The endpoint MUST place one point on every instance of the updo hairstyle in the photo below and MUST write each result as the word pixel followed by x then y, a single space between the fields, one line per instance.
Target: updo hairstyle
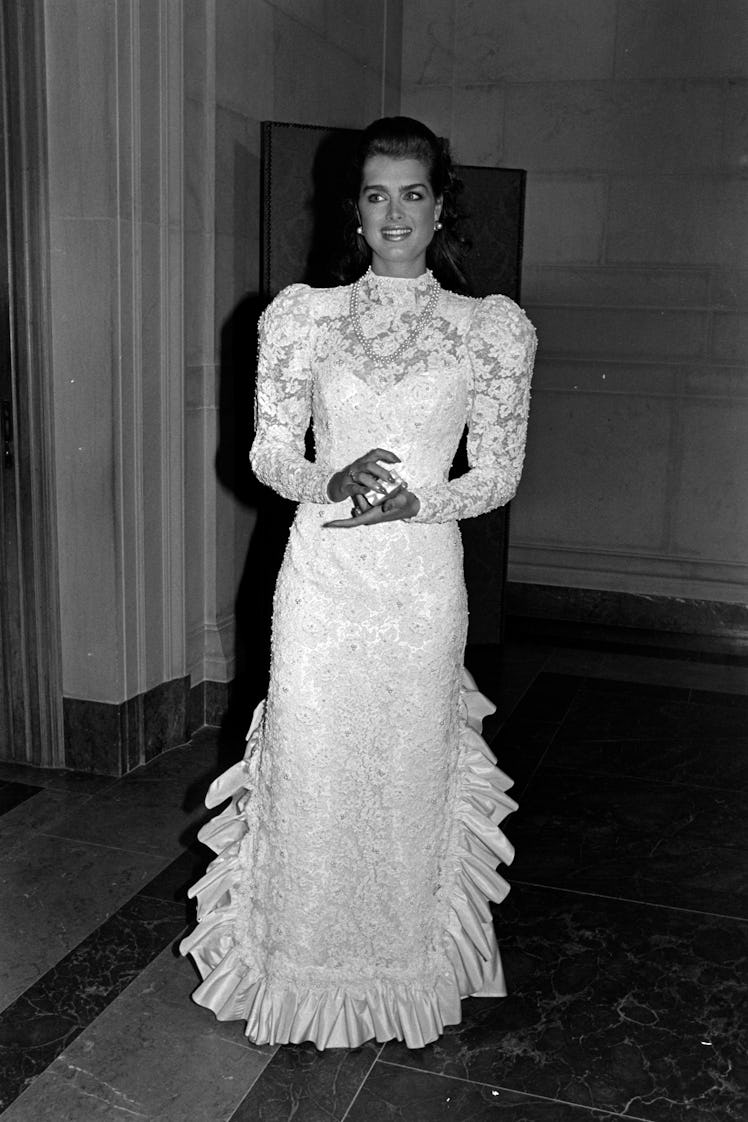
pixel 403 138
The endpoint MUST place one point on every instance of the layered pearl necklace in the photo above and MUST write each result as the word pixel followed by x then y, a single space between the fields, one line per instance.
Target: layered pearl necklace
pixel 393 356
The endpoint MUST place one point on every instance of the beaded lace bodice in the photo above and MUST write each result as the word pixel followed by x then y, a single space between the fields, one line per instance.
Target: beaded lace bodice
pixel 471 364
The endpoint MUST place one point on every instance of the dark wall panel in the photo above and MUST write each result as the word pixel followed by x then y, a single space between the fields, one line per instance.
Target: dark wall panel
pixel 303 168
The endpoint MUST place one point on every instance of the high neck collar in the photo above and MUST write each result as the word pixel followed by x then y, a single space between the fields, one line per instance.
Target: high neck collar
pixel 396 291
pixel 376 280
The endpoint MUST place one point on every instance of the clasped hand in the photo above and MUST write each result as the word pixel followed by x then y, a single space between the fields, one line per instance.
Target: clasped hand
pixel 367 474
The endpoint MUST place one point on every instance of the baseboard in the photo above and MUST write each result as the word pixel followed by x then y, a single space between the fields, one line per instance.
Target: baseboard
pixel 110 739
pixel 629 610
pixel 209 702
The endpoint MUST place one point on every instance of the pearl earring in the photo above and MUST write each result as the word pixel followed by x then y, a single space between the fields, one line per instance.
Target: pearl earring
pixel 359 229
pixel 437 225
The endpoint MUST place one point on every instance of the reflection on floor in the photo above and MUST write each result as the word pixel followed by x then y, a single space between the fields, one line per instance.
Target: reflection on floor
pixel 625 937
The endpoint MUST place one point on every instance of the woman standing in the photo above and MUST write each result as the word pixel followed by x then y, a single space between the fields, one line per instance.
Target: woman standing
pixel 356 860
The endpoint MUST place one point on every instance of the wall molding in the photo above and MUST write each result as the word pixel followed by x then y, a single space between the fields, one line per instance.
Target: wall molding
pixel 215 641
pixel 172 335
pixel 129 472
pixel 110 739
pixel 639 573
pixel 152 564
pixel 684 615
pixel 24 110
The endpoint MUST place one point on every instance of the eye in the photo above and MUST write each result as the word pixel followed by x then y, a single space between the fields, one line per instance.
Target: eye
pixel 374 197
pixel 414 195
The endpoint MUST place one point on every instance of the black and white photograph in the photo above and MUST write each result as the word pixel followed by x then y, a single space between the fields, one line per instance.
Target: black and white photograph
pixel 374 560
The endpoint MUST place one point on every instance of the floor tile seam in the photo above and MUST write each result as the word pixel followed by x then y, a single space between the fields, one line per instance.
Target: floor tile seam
pixel 563 717
pixel 665 695
pixel 143 892
pixel 136 978
pixel 730 690
pixel 35 787
pixel 15 806
pixel 694 695
pixel 176 908
pixel 370 1069
pixel 247 1046
pixel 81 804
pixel 110 848
pixel 522 792
pixel 73 1035
pixel 555 723
pixel 171 899
pixel 640 778
pixel 268 1060
pixel 91 935
pixel 224 1041
pixel 242 1048
pixel 592 676
pixel 515 1091
pixel 742 920
pixel 184 746
pixel 510 713
pixel 540 670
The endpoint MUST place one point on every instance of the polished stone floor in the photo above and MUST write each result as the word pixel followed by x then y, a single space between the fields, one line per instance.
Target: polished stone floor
pixel 625 937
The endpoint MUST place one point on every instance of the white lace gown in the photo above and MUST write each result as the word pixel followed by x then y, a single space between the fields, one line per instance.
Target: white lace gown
pixel 356 859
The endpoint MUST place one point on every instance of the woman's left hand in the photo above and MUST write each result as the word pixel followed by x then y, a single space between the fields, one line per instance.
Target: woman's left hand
pixel 400 503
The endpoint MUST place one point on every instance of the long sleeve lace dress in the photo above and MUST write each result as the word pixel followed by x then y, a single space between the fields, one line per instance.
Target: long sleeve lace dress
pixel 358 853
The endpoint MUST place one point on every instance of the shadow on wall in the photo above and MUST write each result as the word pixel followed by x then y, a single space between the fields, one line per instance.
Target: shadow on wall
pixel 238 366
pixel 333 161
pixel 253 605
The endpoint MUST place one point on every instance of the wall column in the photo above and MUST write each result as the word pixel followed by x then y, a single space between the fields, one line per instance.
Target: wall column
pixel 115 136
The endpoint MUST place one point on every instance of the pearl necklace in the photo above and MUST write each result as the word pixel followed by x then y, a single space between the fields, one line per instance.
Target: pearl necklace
pixel 392 356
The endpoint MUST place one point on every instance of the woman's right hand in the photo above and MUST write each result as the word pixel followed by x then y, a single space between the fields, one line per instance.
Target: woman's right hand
pixel 364 474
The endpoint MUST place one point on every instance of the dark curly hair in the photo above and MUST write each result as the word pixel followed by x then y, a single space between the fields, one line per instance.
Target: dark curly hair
pixel 405 138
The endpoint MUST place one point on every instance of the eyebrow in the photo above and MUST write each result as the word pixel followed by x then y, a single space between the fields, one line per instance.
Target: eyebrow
pixel 381 187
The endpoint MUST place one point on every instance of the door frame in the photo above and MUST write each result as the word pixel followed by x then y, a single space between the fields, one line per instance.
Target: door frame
pixel 24 170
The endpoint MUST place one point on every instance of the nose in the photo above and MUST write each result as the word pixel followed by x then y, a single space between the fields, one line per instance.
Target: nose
pixel 394 210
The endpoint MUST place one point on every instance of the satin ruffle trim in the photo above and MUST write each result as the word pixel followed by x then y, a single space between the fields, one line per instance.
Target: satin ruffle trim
pixel 338 1018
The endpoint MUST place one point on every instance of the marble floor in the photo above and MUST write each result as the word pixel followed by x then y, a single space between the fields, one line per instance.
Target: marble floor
pixel 625 936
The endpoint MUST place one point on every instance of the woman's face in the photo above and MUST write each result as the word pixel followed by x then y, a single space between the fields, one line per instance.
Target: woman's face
pixel 398 210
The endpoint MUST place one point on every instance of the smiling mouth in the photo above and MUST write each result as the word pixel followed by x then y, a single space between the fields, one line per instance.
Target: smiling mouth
pixel 396 233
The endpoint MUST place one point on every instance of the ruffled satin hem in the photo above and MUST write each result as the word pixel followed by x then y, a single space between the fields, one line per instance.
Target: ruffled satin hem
pixel 347 1016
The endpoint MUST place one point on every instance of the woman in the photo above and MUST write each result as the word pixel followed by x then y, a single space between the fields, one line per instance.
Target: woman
pixel 349 899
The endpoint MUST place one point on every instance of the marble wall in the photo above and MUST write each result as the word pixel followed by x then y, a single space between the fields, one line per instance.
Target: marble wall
pixel 154 111
pixel 631 119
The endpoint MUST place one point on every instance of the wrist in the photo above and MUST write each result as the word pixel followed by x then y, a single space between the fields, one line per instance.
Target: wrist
pixel 414 505
pixel 334 487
